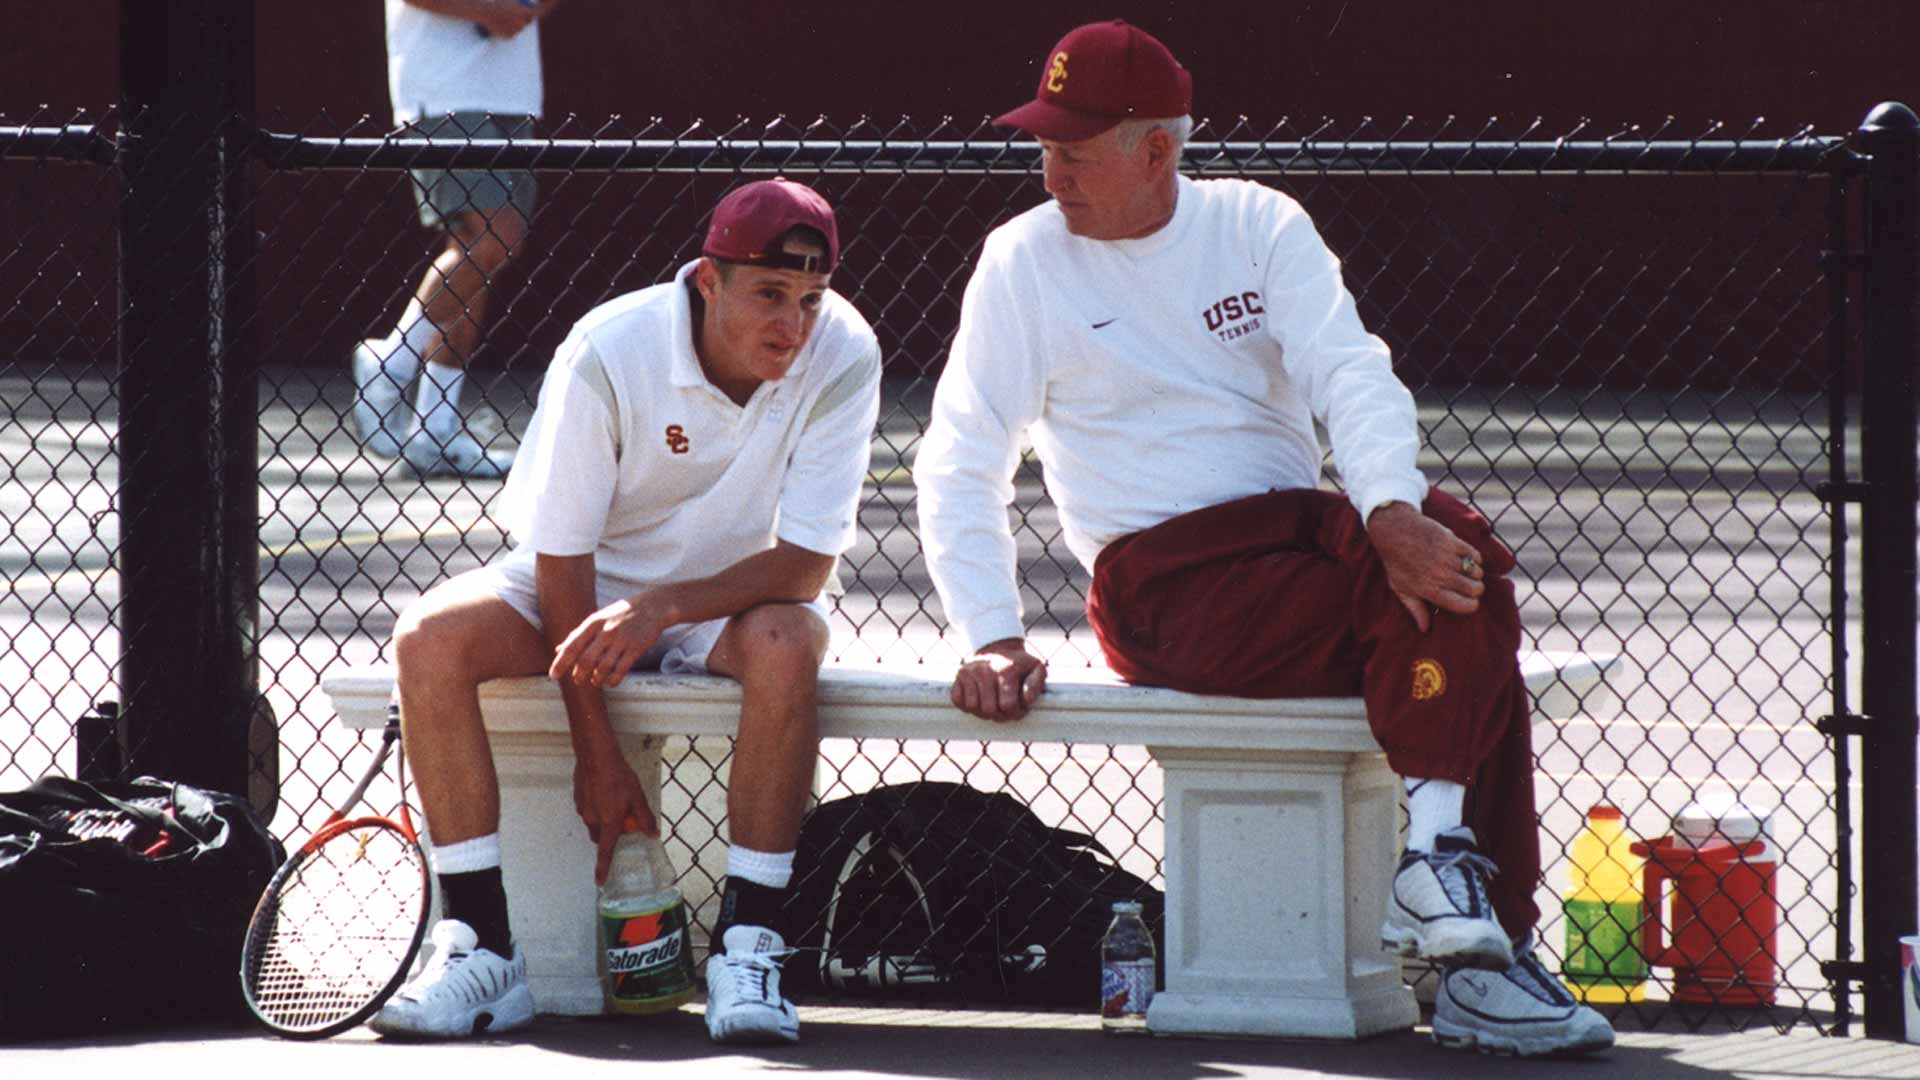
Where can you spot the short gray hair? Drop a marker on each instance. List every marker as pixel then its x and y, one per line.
pixel 1130 132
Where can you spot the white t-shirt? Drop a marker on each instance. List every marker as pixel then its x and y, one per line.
pixel 437 64
pixel 634 457
pixel 1154 376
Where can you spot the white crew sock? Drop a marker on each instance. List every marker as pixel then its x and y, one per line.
pixel 774 870
pixel 438 399
pixel 1433 807
pixel 400 351
pixel 479 853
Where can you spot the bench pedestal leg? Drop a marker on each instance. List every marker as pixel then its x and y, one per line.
pixel 1277 868
pixel 547 863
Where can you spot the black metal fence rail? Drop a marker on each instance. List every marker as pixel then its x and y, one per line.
pixel 1645 355
pixel 1557 157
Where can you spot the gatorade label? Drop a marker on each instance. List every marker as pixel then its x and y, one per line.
pixel 1126 988
pixel 649 963
pixel 1603 943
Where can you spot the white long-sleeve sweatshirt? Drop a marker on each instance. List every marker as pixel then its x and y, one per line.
pixel 1154 376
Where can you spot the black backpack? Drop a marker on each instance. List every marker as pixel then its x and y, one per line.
pixel 126 903
pixel 939 890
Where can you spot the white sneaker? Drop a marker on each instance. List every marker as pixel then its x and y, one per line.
pixel 1439 908
pixel 381 415
pixel 431 455
pixel 464 990
pixel 1522 1010
pixel 743 990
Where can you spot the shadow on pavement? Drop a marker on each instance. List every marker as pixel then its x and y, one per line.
pixel 955 1044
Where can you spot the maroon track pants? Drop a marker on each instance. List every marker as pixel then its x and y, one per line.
pixel 1282 595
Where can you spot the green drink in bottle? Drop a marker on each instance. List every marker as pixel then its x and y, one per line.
pixel 1604 958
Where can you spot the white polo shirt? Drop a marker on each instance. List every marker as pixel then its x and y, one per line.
pixel 634 457
pixel 1155 376
pixel 437 64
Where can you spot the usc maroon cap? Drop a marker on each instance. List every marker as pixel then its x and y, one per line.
pixel 755 223
pixel 1098 75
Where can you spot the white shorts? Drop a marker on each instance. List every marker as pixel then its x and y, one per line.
pixel 681 650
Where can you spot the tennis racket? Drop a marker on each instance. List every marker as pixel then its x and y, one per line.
pixel 340 923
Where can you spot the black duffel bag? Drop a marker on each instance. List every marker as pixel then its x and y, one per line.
pixel 123 904
pixel 940 891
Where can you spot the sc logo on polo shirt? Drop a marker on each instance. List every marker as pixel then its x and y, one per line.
pixel 677 440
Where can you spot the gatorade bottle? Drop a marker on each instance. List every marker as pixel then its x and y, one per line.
pixel 1604 958
pixel 646 957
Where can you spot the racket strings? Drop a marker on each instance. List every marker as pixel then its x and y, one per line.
pixel 341 926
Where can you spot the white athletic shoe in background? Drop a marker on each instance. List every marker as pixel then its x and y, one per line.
pixel 381 415
pixel 460 454
pixel 1522 1010
pixel 1439 909
pixel 743 990
pixel 464 990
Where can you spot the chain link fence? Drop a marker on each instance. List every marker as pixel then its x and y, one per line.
pixel 1623 344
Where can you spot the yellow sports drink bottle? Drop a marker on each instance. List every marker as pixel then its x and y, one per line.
pixel 1604 958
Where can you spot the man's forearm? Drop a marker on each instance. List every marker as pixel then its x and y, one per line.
pixel 782 574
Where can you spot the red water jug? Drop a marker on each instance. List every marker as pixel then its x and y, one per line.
pixel 1724 924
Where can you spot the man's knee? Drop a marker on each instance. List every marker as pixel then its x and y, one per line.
pixel 781 640
pixel 430 639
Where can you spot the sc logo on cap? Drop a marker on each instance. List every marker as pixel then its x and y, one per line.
pixel 1057 73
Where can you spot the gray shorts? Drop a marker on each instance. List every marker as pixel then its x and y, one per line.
pixel 444 194
pixel 682 650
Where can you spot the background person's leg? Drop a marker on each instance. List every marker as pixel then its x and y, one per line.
pixel 455 295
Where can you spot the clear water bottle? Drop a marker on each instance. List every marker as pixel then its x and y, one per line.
pixel 1126 971
pixel 645 952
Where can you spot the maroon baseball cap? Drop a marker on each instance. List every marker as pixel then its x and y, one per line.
pixel 1098 75
pixel 754 224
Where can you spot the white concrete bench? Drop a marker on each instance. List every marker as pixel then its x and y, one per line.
pixel 1282 822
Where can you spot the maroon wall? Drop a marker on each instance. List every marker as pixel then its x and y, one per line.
pixel 1822 62
pixel 340 248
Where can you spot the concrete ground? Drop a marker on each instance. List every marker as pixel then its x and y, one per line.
pixel 864 1042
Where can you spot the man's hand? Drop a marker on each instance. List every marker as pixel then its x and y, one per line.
pixel 608 797
pixel 1000 681
pixel 1427 565
pixel 606 645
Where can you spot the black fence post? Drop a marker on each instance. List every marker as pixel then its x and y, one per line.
pixel 1891 135
pixel 188 552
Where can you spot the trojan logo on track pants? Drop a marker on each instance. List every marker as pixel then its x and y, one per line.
pixel 1282 595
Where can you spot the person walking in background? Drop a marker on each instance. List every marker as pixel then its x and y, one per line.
pixel 456 69
pixel 1169 345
